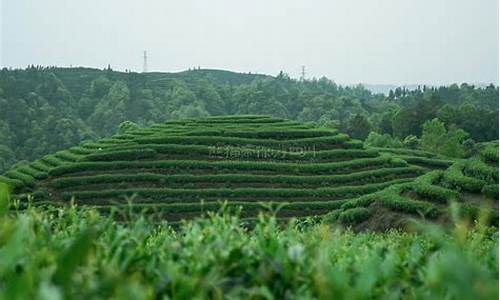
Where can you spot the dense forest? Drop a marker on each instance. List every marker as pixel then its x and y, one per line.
pixel 47 109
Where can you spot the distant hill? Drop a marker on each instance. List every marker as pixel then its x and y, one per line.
pixel 78 80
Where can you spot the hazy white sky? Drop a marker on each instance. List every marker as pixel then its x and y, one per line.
pixel 349 41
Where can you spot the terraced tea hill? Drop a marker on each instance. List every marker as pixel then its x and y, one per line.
pixel 471 183
pixel 180 168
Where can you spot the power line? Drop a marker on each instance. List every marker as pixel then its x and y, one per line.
pixel 303 73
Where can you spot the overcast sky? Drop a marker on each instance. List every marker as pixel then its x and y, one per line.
pixel 349 41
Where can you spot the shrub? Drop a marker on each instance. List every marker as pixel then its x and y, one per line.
pixel 28 170
pixel 490 190
pixel 490 154
pixel 435 193
pixel 356 178
pixel 223 193
pixel 40 166
pixel 324 142
pixel 354 215
pixel 407 205
pixel 454 178
pixel 27 180
pixel 111 155
pixel 65 155
pixel 478 169
pixel 382 140
pixel 313 168
pixel 429 162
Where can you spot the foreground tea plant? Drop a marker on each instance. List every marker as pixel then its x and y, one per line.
pixel 70 253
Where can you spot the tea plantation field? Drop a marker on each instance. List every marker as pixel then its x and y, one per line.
pixel 180 169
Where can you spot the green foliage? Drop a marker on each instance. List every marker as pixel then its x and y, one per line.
pixel 354 215
pixel 382 140
pixel 48 109
pixel 490 190
pixel 433 135
pixel 238 153
pixel 435 138
pixel 127 126
pixel 407 205
pixel 490 154
pixel 122 155
pixel 434 163
pixel 352 178
pixel 64 253
pixel 316 143
pixel 435 193
pixel 4 199
pixel 454 178
pixel 411 142
pixel 477 169
pixel 246 160
pixel 276 167
pixel 171 194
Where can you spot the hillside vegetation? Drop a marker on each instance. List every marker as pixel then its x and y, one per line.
pixel 180 169
pixel 67 253
pixel 472 184
pixel 49 109
pixel 244 159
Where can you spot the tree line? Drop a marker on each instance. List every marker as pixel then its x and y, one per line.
pixel 47 109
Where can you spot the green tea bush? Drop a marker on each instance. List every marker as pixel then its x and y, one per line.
pixel 28 170
pixel 27 180
pixel 65 155
pixel 408 205
pixel 319 143
pixel 490 154
pixel 477 169
pixel 80 150
pixel 242 153
pixel 70 253
pixel 52 160
pixel 435 193
pixel 354 215
pixel 490 190
pixel 363 201
pixel 407 152
pixel 223 193
pixel 40 166
pixel 112 155
pixel 264 133
pixel 428 162
pixel 454 178
pixel 313 168
pixel 357 178
pixel 11 182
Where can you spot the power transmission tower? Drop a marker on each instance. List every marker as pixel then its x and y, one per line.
pixel 145 64
pixel 303 73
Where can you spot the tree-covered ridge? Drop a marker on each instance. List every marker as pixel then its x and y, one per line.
pixel 48 109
